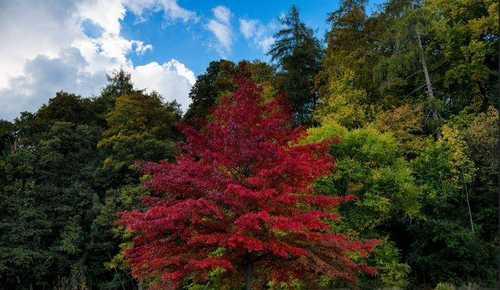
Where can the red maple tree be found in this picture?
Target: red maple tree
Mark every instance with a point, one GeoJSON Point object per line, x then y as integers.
{"type": "Point", "coordinates": [240, 197]}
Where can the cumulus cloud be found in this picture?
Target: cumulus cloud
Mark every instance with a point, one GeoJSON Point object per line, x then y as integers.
{"type": "Point", "coordinates": [140, 47]}
{"type": "Point", "coordinates": [222, 14]}
{"type": "Point", "coordinates": [171, 9]}
{"type": "Point", "coordinates": [107, 14]}
{"type": "Point", "coordinates": [42, 77]}
{"type": "Point", "coordinates": [72, 46]}
{"type": "Point", "coordinates": [172, 80]}
{"type": "Point", "coordinates": [220, 26]}
{"type": "Point", "coordinates": [259, 34]}
{"type": "Point", "coordinates": [248, 27]}
{"type": "Point", "coordinates": [55, 28]}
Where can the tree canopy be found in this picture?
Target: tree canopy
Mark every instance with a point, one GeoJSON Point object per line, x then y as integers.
{"type": "Point", "coordinates": [368, 159]}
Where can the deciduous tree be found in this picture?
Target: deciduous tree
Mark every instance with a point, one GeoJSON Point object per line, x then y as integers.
{"type": "Point", "coordinates": [240, 199]}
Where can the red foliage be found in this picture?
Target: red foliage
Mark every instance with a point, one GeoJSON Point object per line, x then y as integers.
{"type": "Point", "coordinates": [242, 184]}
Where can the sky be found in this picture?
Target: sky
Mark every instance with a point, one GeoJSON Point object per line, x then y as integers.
{"type": "Point", "coordinates": [70, 45]}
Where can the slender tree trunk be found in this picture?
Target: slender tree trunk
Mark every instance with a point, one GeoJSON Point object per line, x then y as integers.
{"type": "Point", "coordinates": [428, 82]}
{"type": "Point", "coordinates": [468, 207]}
{"type": "Point", "coordinates": [14, 146]}
{"type": "Point", "coordinates": [248, 274]}
{"type": "Point", "coordinates": [497, 166]}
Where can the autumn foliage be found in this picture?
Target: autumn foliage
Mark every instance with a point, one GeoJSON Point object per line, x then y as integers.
{"type": "Point", "coordinates": [240, 198]}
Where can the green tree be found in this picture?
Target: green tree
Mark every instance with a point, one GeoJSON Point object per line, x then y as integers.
{"type": "Point", "coordinates": [353, 42]}
{"type": "Point", "coordinates": [371, 166]}
{"type": "Point", "coordinates": [47, 206]}
{"type": "Point", "coordinates": [7, 136]}
{"type": "Point", "coordinates": [140, 127]}
{"type": "Point", "coordinates": [219, 80]}
{"type": "Point", "coordinates": [298, 54]}
{"type": "Point", "coordinates": [66, 107]}
{"type": "Point", "coordinates": [119, 83]}
{"type": "Point", "coordinates": [216, 81]}
{"type": "Point", "coordinates": [58, 200]}
{"type": "Point", "coordinates": [452, 248]}
{"type": "Point", "coordinates": [343, 103]}
{"type": "Point", "coordinates": [441, 53]}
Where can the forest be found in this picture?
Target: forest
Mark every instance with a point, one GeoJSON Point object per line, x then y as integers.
{"type": "Point", "coordinates": [364, 159]}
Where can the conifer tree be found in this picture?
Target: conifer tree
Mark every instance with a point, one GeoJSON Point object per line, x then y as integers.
{"type": "Point", "coordinates": [298, 54]}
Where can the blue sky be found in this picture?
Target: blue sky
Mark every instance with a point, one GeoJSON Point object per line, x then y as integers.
{"type": "Point", "coordinates": [190, 44]}
{"type": "Point", "coordinates": [71, 45]}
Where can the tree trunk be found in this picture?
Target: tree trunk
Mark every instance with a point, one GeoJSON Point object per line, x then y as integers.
{"type": "Point", "coordinates": [468, 205]}
{"type": "Point", "coordinates": [497, 166]}
{"type": "Point", "coordinates": [248, 274]}
{"type": "Point", "coordinates": [14, 146]}
{"type": "Point", "coordinates": [428, 83]}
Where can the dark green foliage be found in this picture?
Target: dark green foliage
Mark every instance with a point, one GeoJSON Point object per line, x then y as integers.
{"type": "Point", "coordinates": [219, 80]}
{"type": "Point", "coordinates": [456, 175]}
{"type": "Point", "coordinates": [298, 54]}
{"type": "Point", "coordinates": [423, 165]}
{"type": "Point", "coordinates": [140, 127]}
{"type": "Point", "coordinates": [65, 173]}
{"type": "Point", "coordinates": [373, 77]}
{"type": "Point", "coordinates": [118, 84]}
{"type": "Point", "coordinates": [65, 107]}
{"type": "Point", "coordinates": [451, 249]}
{"type": "Point", "coordinates": [47, 206]}
{"type": "Point", "coordinates": [6, 136]}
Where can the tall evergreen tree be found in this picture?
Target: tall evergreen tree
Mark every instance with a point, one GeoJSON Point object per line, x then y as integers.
{"type": "Point", "coordinates": [298, 54]}
{"type": "Point", "coordinates": [119, 83]}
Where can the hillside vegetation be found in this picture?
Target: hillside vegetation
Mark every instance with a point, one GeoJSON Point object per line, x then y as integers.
{"type": "Point", "coordinates": [368, 159]}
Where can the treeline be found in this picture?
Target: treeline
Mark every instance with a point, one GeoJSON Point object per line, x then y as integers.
{"type": "Point", "coordinates": [66, 171]}
{"type": "Point", "coordinates": [409, 94]}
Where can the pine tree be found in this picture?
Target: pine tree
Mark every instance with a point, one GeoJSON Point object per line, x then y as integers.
{"type": "Point", "coordinates": [298, 54]}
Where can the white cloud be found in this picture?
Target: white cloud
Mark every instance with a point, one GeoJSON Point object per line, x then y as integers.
{"type": "Point", "coordinates": [140, 47]}
{"type": "Point", "coordinates": [259, 34]}
{"type": "Point", "coordinates": [171, 9]}
{"type": "Point", "coordinates": [220, 26]}
{"type": "Point", "coordinates": [42, 77]}
{"type": "Point", "coordinates": [45, 49]}
{"type": "Point", "coordinates": [107, 14]}
{"type": "Point", "coordinates": [222, 14]}
{"type": "Point", "coordinates": [173, 80]}
{"type": "Point", "coordinates": [248, 27]}
{"type": "Point", "coordinates": [31, 28]}
{"type": "Point", "coordinates": [265, 43]}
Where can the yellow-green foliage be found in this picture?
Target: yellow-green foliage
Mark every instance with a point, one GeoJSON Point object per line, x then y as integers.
{"type": "Point", "coordinates": [405, 123]}
{"type": "Point", "coordinates": [371, 166]}
{"type": "Point", "coordinates": [462, 167]}
{"type": "Point", "coordinates": [393, 274]}
{"type": "Point", "coordinates": [329, 129]}
{"type": "Point", "coordinates": [140, 127]}
{"type": "Point", "coordinates": [445, 167]}
{"type": "Point", "coordinates": [343, 103]}
{"type": "Point", "coordinates": [445, 286]}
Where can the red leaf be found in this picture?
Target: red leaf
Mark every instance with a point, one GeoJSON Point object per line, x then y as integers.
{"type": "Point", "coordinates": [244, 185]}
